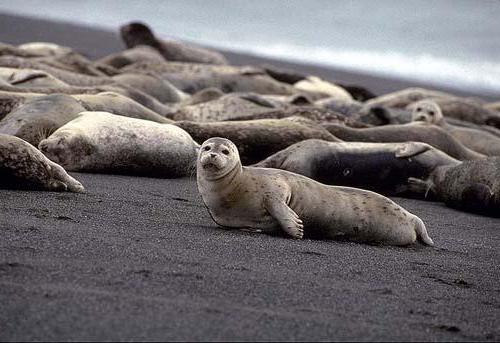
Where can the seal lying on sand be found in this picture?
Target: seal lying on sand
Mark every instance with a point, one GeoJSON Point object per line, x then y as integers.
{"type": "Point", "coordinates": [431, 135]}
{"type": "Point", "coordinates": [136, 33]}
{"type": "Point", "coordinates": [22, 166]}
{"type": "Point", "coordinates": [101, 142]}
{"type": "Point", "coordinates": [428, 111]}
{"type": "Point", "coordinates": [380, 167]}
{"type": "Point", "coordinates": [471, 186]}
{"type": "Point", "coordinates": [38, 118]}
{"type": "Point", "coordinates": [258, 139]}
{"type": "Point", "coordinates": [272, 200]}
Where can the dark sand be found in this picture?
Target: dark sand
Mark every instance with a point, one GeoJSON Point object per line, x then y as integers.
{"type": "Point", "coordinates": [139, 258]}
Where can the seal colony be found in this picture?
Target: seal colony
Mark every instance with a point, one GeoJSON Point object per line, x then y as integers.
{"type": "Point", "coordinates": [146, 110]}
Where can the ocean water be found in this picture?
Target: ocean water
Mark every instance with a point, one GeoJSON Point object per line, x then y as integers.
{"type": "Point", "coordinates": [455, 43]}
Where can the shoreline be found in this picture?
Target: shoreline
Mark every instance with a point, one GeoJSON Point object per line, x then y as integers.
{"type": "Point", "coordinates": [98, 42]}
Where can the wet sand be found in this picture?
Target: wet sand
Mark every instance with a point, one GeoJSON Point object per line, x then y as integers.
{"type": "Point", "coordinates": [140, 259]}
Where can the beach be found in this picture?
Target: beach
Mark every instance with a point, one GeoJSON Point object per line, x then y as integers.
{"type": "Point", "coordinates": [138, 258]}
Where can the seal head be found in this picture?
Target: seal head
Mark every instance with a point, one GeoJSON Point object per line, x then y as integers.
{"type": "Point", "coordinates": [218, 157]}
{"type": "Point", "coordinates": [427, 111]}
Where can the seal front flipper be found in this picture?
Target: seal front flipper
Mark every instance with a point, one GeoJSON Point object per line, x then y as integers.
{"type": "Point", "coordinates": [419, 186]}
{"type": "Point", "coordinates": [411, 149]}
{"type": "Point", "coordinates": [286, 217]}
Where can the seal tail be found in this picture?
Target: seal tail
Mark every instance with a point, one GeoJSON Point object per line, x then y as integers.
{"type": "Point", "coordinates": [421, 231]}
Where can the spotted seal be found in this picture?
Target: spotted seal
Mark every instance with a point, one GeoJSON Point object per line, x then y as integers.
{"type": "Point", "coordinates": [271, 200]}
{"type": "Point", "coordinates": [22, 166]}
{"type": "Point", "coordinates": [102, 142]}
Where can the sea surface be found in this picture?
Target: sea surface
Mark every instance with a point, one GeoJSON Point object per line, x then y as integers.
{"type": "Point", "coordinates": [454, 43]}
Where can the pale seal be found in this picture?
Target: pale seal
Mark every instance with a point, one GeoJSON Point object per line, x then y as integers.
{"type": "Point", "coordinates": [38, 118]}
{"type": "Point", "coordinates": [429, 112]}
{"type": "Point", "coordinates": [272, 200]}
{"type": "Point", "coordinates": [258, 139]}
{"type": "Point", "coordinates": [471, 186]}
{"type": "Point", "coordinates": [403, 98]}
{"type": "Point", "coordinates": [316, 85]}
{"type": "Point", "coordinates": [22, 166]}
{"type": "Point", "coordinates": [432, 135]}
{"type": "Point", "coordinates": [379, 167]}
{"type": "Point", "coordinates": [465, 109]}
{"type": "Point", "coordinates": [136, 33]}
{"type": "Point", "coordinates": [101, 142]}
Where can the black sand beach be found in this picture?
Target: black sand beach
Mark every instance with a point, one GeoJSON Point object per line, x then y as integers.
{"type": "Point", "coordinates": [140, 259]}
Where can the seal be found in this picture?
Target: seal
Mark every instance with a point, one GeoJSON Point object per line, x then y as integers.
{"type": "Point", "coordinates": [118, 104]}
{"type": "Point", "coordinates": [29, 78]}
{"type": "Point", "coordinates": [494, 106]}
{"type": "Point", "coordinates": [405, 97]}
{"type": "Point", "coordinates": [316, 85]}
{"type": "Point", "coordinates": [469, 110]}
{"type": "Point", "coordinates": [138, 53]}
{"type": "Point", "coordinates": [380, 167]}
{"type": "Point", "coordinates": [258, 139]}
{"type": "Point", "coordinates": [22, 166]}
{"type": "Point", "coordinates": [101, 142]}
{"type": "Point", "coordinates": [472, 186]}
{"type": "Point", "coordinates": [224, 108]}
{"type": "Point", "coordinates": [427, 111]}
{"type": "Point", "coordinates": [137, 33]}
{"type": "Point", "coordinates": [272, 200]}
{"type": "Point", "coordinates": [38, 118]}
{"type": "Point", "coordinates": [192, 77]}
{"type": "Point", "coordinates": [432, 135]}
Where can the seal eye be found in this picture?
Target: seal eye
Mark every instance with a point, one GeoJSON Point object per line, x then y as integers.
{"type": "Point", "coordinates": [431, 113]}
{"type": "Point", "coordinates": [206, 148]}
{"type": "Point", "coordinates": [419, 109]}
{"type": "Point", "coordinates": [225, 152]}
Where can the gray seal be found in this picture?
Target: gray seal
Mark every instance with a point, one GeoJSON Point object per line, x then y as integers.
{"type": "Point", "coordinates": [380, 167]}
{"type": "Point", "coordinates": [271, 200]}
{"type": "Point", "coordinates": [432, 135]}
{"type": "Point", "coordinates": [472, 186]}
{"type": "Point", "coordinates": [22, 166]}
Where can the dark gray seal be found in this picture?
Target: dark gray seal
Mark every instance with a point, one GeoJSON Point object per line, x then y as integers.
{"type": "Point", "coordinates": [136, 33]}
{"type": "Point", "coordinates": [379, 167]}
{"type": "Point", "coordinates": [22, 166]}
{"type": "Point", "coordinates": [472, 186]}
{"type": "Point", "coordinates": [258, 139]}
{"type": "Point", "coordinates": [271, 200]}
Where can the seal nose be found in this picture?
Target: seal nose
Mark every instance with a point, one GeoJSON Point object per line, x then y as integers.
{"type": "Point", "coordinates": [212, 155]}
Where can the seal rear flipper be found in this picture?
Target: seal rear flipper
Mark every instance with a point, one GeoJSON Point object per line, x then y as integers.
{"type": "Point", "coordinates": [288, 220]}
{"type": "Point", "coordinates": [421, 231]}
{"type": "Point", "coordinates": [477, 197]}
